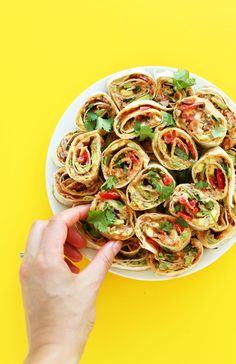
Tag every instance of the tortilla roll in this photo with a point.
(214, 172)
(145, 112)
(151, 187)
(196, 207)
(121, 217)
(123, 159)
(63, 148)
(156, 230)
(92, 237)
(84, 157)
(130, 87)
(174, 149)
(70, 192)
(201, 120)
(172, 264)
(166, 93)
(132, 256)
(223, 105)
(99, 105)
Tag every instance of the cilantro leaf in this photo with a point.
(166, 226)
(218, 132)
(91, 230)
(181, 154)
(209, 205)
(105, 124)
(143, 131)
(102, 219)
(109, 184)
(90, 121)
(94, 121)
(165, 191)
(182, 222)
(226, 169)
(201, 184)
(168, 118)
(182, 80)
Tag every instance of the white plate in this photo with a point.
(67, 123)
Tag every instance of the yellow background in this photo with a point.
(50, 52)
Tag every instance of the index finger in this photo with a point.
(54, 237)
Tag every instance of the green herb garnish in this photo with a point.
(181, 154)
(180, 221)
(143, 131)
(102, 219)
(201, 184)
(166, 226)
(109, 184)
(182, 80)
(94, 121)
(168, 118)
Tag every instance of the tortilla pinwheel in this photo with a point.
(70, 192)
(154, 230)
(214, 173)
(146, 113)
(201, 120)
(111, 216)
(98, 112)
(196, 207)
(130, 87)
(174, 149)
(168, 263)
(123, 159)
(151, 187)
(223, 105)
(84, 156)
(63, 148)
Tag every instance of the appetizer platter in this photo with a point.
(153, 150)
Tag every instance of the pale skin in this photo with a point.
(60, 303)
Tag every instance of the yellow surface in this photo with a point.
(52, 51)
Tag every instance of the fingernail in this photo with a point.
(116, 245)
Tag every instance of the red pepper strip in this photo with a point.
(84, 157)
(188, 107)
(169, 137)
(188, 101)
(192, 205)
(212, 181)
(109, 195)
(133, 157)
(153, 242)
(184, 216)
(220, 179)
(191, 149)
(167, 180)
(178, 228)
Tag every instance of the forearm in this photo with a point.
(50, 354)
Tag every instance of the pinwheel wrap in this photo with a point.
(130, 87)
(196, 207)
(156, 230)
(171, 264)
(84, 157)
(145, 112)
(201, 120)
(98, 109)
(174, 148)
(92, 237)
(119, 217)
(63, 148)
(70, 192)
(152, 186)
(222, 103)
(132, 256)
(123, 159)
(166, 93)
(214, 173)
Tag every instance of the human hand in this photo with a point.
(60, 305)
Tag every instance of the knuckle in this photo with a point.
(41, 264)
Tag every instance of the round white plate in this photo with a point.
(67, 123)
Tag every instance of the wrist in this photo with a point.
(52, 353)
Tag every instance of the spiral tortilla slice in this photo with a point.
(70, 192)
(174, 149)
(123, 159)
(221, 103)
(111, 215)
(161, 230)
(172, 264)
(92, 237)
(84, 156)
(98, 112)
(166, 93)
(197, 208)
(132, 256)
(144, 112)
(130, 87)
(201, 120)
(214, 173)
(151, 187)
(63, 148)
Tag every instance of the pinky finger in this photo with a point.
(71, 266)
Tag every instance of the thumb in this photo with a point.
(101, 263)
